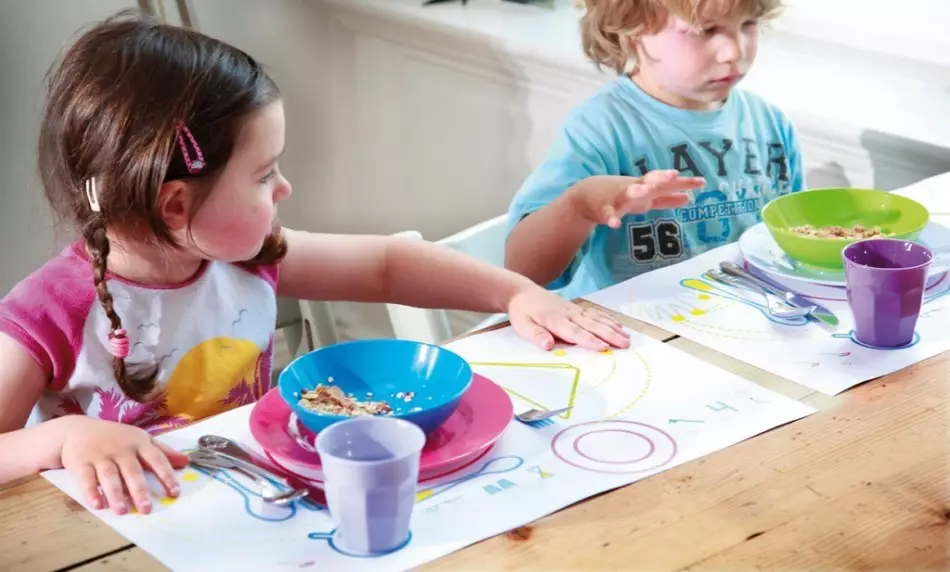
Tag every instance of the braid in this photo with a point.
(138, 387)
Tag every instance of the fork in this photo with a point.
(540, 417)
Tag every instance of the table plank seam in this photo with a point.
(93, 559)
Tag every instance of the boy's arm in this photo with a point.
(546, 228)
(544, 243)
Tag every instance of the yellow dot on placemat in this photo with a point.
(607, 352)
(189, 477)
(697, 312)
(560, 352)
(704, 297)
(167, 501)
(678, 318)
(423, 495)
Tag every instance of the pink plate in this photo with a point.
(481, 418)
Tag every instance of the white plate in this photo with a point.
(760, 251)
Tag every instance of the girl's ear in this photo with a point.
(174, 204)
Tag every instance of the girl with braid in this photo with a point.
(161, 145)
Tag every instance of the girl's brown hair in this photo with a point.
(609, 27)
(114, 102)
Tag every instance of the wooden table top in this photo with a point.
(862, 484)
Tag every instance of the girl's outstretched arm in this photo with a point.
(422, 274)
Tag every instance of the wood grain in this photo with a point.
(134, 559)
(43, 529)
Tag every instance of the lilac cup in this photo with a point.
(370, 469)
(885, 284)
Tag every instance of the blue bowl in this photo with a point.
(376, 370)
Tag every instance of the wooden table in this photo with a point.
(860, 485)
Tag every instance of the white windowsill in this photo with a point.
(889, 95)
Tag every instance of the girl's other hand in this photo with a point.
(114, 457)
(543, 317)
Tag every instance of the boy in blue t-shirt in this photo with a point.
(665, 163)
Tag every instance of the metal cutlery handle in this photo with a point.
(738, 272)
(280, 495)
(734, 282)
(226, 447)
(262, 483)
(215, 457)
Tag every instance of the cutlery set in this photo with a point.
(274, 486)
(780, 303)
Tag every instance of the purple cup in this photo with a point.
(885, 279)
(370, 469)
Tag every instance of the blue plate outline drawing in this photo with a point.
(851, 335)
(225, 477)
(329, 537)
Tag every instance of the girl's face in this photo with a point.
(696, 68)
(239, 213)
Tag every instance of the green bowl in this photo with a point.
(897, 217)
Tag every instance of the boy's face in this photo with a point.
(695, 68)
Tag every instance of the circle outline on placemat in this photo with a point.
(649, 453)
(563, 434)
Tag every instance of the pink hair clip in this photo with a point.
(194, 166)
(119, 340)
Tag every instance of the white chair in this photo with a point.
(484, 241)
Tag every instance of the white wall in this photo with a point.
(32, 32)
(912, 29)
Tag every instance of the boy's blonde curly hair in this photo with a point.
(609, 27)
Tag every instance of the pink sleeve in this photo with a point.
(266, 272)
(46, 313)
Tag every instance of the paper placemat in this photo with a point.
(826, 360)
(635, 413)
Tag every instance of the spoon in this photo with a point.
(777, 307)
(261, 478)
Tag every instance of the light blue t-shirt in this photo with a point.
(746, 150)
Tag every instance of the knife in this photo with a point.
(820, 313)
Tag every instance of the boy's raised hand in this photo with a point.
(605, 199)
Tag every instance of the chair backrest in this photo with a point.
(484, 241)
